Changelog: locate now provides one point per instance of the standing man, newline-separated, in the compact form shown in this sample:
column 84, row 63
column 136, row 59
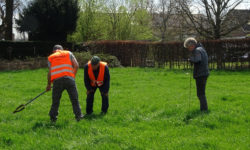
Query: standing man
column 62, row 71
column 96, row 75
column 200, row 60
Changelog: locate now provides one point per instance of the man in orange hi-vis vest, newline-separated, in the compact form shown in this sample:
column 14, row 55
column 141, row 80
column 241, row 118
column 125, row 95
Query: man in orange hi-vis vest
column 96, row 75
column 63, row 67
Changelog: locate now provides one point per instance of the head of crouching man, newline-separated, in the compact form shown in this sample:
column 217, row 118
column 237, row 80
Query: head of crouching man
column 95, row 62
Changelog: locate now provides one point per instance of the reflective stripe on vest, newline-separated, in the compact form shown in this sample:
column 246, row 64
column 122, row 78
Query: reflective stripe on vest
column 99, row 81
column 61, row 65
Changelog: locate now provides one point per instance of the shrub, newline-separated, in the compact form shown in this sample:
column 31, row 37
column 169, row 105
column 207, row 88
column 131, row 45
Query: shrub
column 110, row 59
column 22, row 50
column 84, row 57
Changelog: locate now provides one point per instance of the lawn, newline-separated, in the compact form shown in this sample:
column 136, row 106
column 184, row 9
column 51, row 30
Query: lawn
column 148, row 110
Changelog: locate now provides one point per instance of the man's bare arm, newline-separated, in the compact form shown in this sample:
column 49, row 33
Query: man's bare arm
column 75, row 66
column 49, row 82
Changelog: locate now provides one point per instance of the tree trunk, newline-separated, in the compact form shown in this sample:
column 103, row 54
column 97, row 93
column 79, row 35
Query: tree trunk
column 9, row 17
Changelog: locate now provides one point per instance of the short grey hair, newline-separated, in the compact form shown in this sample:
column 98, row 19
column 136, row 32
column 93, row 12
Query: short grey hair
column 56, row 47
column 190, row 42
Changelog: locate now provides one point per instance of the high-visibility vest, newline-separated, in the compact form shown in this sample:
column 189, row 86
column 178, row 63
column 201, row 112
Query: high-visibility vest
column 99, row 81
column 61, row 65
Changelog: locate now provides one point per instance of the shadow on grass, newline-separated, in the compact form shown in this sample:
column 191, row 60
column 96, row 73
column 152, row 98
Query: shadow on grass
column 6, row 141
column 194, row 114
column 48, row 125
column 94, row 116
column 228, row 98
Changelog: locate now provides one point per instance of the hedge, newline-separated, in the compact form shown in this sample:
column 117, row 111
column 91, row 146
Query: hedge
column 22, row 50
column 223, row 54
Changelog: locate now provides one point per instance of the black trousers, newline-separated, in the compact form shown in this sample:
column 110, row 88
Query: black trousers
column 90, row 101
column 59, row 86
column 201, row 92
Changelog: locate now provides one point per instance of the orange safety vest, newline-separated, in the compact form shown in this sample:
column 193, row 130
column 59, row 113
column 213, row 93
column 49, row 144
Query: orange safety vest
column 61, row 65
column 100, row 79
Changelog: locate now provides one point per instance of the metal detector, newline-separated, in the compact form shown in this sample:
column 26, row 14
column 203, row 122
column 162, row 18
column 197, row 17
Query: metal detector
column 22, row 106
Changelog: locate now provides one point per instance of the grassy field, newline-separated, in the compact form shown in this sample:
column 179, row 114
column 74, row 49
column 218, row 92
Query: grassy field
column 148, row 110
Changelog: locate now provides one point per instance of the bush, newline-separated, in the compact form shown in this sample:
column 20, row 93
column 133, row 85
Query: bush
column 110, row 59
column 29, row 63
column 84, row 57
column 22, row 50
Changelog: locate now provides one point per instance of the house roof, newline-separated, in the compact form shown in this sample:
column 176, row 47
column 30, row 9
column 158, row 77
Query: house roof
column 246, row 27
column 242, row 15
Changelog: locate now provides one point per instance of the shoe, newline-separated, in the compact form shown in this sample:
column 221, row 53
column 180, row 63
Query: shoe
column 89, row 113
column 79, row 118
column 103, row 113
column 53, row 120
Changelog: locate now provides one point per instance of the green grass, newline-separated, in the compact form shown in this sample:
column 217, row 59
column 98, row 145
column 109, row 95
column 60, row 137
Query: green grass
column 148, row 110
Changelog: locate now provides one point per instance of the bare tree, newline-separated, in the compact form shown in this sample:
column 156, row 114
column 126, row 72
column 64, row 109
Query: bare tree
column 9, row 19
column 164, row 10
column 2, row 18
column 7, row 8
column 214, row 18
column 114, row 16
column 120, row 14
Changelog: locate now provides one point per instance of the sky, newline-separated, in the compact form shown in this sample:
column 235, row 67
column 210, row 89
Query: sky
column 244, row 5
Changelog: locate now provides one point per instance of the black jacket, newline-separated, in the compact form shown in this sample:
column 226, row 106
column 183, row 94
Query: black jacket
column 106, row 83
column 200, row 60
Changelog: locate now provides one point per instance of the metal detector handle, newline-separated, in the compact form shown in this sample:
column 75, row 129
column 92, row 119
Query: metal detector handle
column 35, row 98
column 22, row 106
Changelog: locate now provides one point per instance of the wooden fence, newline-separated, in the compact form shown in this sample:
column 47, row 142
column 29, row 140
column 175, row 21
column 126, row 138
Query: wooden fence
column 223, row 54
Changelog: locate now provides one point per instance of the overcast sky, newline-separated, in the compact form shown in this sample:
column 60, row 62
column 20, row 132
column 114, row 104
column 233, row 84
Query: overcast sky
column 244, row 5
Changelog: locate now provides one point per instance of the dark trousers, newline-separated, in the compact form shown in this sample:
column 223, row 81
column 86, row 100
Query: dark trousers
column 90, row 101
column 59, row 86
column 201, row 88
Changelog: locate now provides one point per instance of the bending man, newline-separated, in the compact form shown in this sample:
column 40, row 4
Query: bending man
column 62, row 71
column 96, row 75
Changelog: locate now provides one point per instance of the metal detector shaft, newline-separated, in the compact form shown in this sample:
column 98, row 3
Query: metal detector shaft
column 22, row 106
column 190, row 88
column 35, row 98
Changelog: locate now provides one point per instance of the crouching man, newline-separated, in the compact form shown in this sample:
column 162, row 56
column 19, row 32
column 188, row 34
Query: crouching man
column 62, row 71
column 200, row 60
column 96, row 75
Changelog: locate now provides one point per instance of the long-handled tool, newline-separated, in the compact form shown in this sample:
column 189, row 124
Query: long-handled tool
column 190, row 90
column 22, row 106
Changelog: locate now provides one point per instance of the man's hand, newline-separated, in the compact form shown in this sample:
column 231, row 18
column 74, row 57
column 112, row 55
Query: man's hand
column 48, row 88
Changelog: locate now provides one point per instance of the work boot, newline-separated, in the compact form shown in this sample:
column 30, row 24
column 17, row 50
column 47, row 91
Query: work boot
column 53, row 120
column 103, row 113
column 79, row 118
